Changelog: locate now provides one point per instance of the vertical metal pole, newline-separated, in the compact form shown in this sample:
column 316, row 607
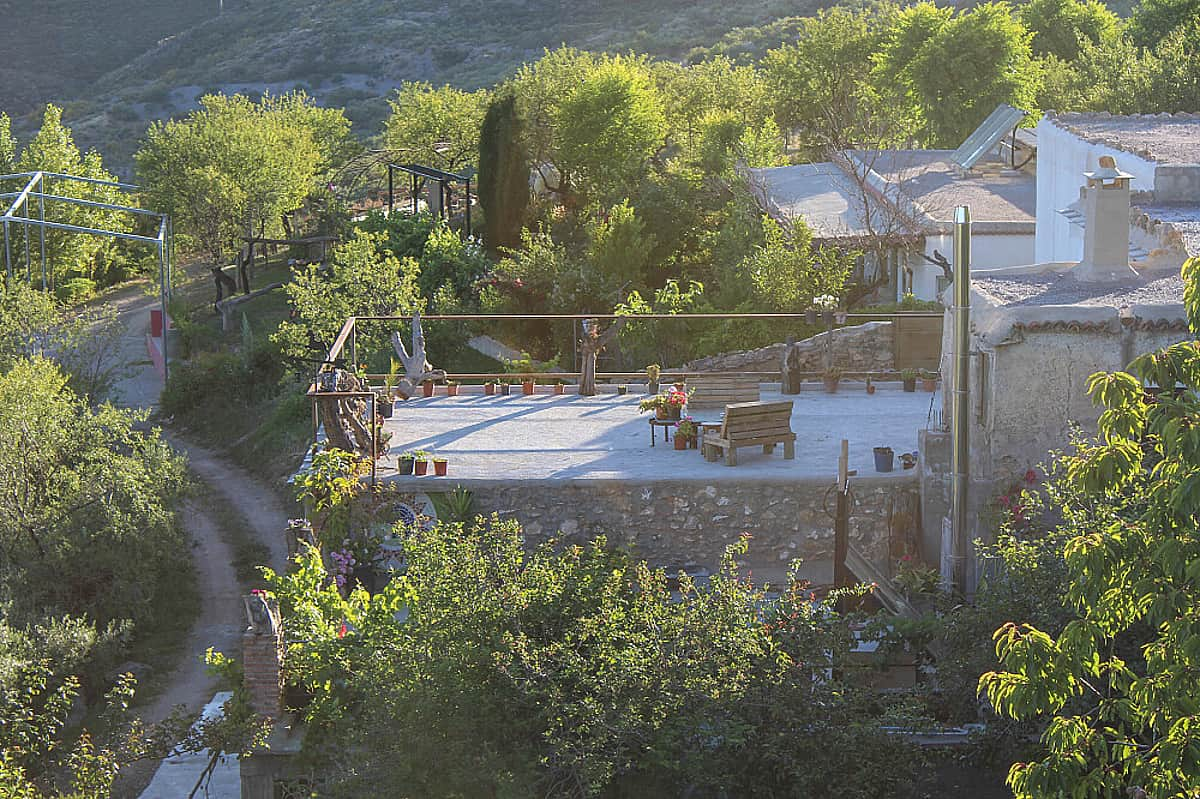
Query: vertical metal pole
column 414, row 194
column 961, row 407
column 7, row 251
column 25, row 235
column 841, row 521
column 162, row 297
column 391, row 193
column 354, row 347
column 42, row 234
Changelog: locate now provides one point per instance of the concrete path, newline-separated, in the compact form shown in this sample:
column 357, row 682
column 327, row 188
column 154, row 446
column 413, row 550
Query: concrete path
column 179, row 774
column 556, row 438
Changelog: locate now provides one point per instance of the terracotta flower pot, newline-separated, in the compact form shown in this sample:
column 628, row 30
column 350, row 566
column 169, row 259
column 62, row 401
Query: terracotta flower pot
column 680, row 442
column 527, row 387
column 420, row 467
column 928, row 385
column 870, row 388
column 674, row 411
column 831, row 384
column 439, row 468
column 660, row 414
column 427, row 388
column 489, row 389
column 559, row 388
column 452, row 391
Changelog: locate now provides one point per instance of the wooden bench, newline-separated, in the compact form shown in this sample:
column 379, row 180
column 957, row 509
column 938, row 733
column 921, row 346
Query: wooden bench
column 717, row 391
column 752, row 424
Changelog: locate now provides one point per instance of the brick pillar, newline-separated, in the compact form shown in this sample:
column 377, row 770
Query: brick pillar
column 262, row 656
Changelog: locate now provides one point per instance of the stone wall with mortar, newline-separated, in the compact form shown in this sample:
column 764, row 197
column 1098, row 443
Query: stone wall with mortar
column 689, row 524
column 868, row 347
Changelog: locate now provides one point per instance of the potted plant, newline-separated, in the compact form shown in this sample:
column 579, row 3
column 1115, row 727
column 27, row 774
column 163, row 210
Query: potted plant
column 826, row 304
column 656, row 403
column 909, row 378
column 421, row 462
column 830, row 378
column 440, row 465
column 884, row 459
column 810, row 316
column 527, row 384
column 685, row 433
column 404, row 464
column 652, row 374
column 451, row 388
column 427, row 388
column 929, row 380
column 489, row 387
column 383, row 404
column 674, row 400
column 391, row 379
column 622, row 389
column 559, row 386
column 839, row 317
column 870, row 385
column 505, row 387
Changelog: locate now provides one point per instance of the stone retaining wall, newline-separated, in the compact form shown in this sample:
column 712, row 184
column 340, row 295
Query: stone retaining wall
column 868, row 347
column 689, row 524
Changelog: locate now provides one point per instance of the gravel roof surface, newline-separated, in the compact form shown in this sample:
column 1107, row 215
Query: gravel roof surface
column 1166, row 138
column 1064, row 289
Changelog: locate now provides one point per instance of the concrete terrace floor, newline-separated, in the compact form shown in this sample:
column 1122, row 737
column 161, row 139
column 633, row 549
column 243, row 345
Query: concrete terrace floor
column 569, row 437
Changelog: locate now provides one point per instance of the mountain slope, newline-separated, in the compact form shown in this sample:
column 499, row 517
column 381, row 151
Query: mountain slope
column 345, row 52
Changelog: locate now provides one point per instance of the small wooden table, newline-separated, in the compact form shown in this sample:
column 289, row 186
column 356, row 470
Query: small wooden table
column 665, row 424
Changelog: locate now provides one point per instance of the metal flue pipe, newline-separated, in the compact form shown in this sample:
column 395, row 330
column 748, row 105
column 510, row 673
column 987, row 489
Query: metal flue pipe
column 960, row 434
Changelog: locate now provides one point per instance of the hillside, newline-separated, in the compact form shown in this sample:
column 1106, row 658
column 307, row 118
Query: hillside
column 120, row 63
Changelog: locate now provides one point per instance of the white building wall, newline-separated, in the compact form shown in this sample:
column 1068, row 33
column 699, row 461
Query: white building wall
column 987, row 252
column 1062, row 159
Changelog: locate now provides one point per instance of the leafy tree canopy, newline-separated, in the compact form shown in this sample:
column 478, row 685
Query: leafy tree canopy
column 437, row 127
column 1058, row 26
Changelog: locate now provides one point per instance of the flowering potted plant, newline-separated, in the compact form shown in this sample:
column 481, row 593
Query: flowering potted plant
column 826, row 304
column 451, row 388
column 421, row 462
column 674, row 402
column 656, row 403
column 440, row 465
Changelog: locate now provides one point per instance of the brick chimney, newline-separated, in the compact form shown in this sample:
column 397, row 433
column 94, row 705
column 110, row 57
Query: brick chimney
column 1106, row 225
column 262, row 656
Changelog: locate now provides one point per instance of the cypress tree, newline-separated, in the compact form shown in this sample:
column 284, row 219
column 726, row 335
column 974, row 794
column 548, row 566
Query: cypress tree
column 503, row 173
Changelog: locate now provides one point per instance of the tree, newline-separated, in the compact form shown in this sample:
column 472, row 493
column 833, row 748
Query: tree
column 977, row 60
column 1058, row 26
column 360, row 282
column 787, row 271
column 608, row 126
column 1176, row 71
column 1154, row 20
column 84, row 344
column 87, row 522
column 8, row 146
column 1116, row 687
column 52, row 149
column 575, row 671
column 693, row 92
column 821, row 82
column 437, row 127
column 503, row 172
column 234, row 166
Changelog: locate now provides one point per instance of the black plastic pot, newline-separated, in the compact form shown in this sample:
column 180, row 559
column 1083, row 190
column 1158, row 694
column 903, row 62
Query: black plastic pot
column 405, row 465
column 885, row 459
column 505, row 388
column 384, row 408
column 810, row 316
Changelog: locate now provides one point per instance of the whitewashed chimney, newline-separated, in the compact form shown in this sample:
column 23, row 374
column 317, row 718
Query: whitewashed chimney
column 1106, row 225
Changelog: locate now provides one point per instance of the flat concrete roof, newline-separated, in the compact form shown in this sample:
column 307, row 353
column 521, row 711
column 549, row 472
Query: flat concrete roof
column 1061, row 288
column 501, row 439
column 819, row 193
column 1165, row 138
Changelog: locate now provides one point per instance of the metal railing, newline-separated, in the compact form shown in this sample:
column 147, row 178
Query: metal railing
column 347, row 338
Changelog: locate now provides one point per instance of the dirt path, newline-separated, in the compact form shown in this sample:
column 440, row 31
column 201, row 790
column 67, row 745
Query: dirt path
column 227, row 492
